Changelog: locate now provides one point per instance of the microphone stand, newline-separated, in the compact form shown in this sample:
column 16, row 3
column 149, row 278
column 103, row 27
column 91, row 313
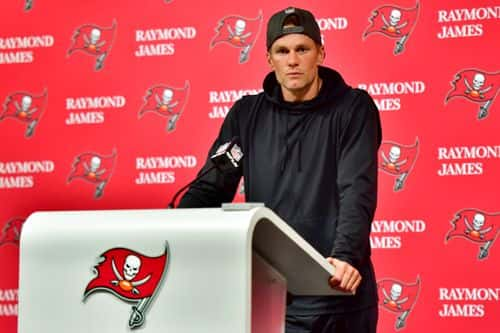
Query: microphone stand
column 171, row 204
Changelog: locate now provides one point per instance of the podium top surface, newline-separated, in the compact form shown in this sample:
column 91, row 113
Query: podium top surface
column 200, row 230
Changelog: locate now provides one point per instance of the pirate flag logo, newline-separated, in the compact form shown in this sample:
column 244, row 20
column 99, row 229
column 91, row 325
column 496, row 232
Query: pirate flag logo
column 11, row 232
column 95, row 41
column 25, row 107
column 239, row 32
column 166, row 101
column 477, row 86
column 398, row 160
column 393, row 22
column 477, row 227
column 28, row 5
column 93, row 168
column 132, row 277
column 398, row 297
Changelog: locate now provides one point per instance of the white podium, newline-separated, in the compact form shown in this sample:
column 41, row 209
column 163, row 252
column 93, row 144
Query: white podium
column 179, row 271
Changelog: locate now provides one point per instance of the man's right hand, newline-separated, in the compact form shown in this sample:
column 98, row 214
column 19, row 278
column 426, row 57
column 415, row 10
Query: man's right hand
column 346, row 277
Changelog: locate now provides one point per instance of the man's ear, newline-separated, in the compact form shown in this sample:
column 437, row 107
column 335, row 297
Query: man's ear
column 268, row 57
column 322, row 54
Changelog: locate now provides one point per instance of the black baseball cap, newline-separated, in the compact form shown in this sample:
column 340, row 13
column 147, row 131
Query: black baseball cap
column 307, row 25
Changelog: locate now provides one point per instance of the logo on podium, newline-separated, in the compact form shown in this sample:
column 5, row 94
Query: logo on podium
column 132, row 277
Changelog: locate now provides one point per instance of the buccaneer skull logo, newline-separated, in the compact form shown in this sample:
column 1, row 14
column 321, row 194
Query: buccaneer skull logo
column 239, row 32
column 476, row 226
column 132, row 277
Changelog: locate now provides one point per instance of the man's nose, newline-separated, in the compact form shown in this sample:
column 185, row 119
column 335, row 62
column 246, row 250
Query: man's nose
column 293, row 58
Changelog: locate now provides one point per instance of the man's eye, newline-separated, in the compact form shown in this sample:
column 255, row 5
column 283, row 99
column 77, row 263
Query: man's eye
column 281, row 51
column 301, row 49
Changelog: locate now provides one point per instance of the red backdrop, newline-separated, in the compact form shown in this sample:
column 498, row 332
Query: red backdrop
column 108, row 106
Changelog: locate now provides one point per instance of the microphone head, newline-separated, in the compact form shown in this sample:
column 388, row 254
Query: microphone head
column 228, row 156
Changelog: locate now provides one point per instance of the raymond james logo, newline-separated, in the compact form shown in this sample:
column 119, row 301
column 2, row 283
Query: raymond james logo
column 221, row 101
column 25, row 107
column 398, row 160
column 398, row 297
column 11, row 232
column 391, row 92
column 477, row 86
column 393, row 22
column 388, row 234
column 21, row 174
column 457, row 15
column 130, row 276
column 95, row 41
column 161, row 41
column 8, row 302
column 466, row 302
column 239, row 32
column 331, row 24
column 472, row 153
column 19, row 49
column 161, row 169
column 477, row 227
column 91, row 109
column 95, row 169
column 166, row 101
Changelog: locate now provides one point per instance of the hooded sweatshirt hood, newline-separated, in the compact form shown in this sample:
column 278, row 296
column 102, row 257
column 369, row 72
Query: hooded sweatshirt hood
column 294, row 127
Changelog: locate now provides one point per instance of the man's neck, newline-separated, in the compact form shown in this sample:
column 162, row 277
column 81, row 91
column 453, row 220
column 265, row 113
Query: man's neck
column 305, row 94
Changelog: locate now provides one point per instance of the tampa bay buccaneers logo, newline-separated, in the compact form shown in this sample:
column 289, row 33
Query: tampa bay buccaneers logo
column 477, row 227
column 477, row 86
column 95, row 41
column 238, row 31
column 398, row 297
column 11, row 232
column 132, row 277
column 166, row 101
column 26, row 108
column 95, row 169
column 393, row 22
column 28, row 5
column 398, row 160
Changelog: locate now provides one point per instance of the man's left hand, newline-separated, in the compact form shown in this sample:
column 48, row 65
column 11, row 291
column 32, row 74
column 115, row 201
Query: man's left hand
column 346, row 277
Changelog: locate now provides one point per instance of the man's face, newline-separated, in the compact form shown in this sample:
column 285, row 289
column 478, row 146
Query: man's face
column 295, row 59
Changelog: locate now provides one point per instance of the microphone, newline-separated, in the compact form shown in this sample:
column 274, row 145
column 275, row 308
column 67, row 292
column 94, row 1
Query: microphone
column 226, row 158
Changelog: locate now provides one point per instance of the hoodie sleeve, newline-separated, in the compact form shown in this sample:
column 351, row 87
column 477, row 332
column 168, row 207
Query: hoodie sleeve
column 357, row 180
column 215, row 187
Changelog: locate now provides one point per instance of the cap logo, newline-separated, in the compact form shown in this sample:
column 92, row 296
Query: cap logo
column 289, row 10
column 293, row 29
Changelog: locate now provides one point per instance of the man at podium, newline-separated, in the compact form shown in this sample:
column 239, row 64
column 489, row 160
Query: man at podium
column 310, row 146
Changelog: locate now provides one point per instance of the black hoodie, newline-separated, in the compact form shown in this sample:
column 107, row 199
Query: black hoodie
column 314, row 163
